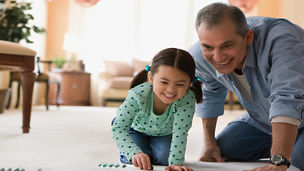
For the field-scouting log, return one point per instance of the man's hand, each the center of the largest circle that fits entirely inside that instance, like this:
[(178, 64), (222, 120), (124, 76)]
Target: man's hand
[(175, 167), (142, 161), (270, 167), (211, 153)]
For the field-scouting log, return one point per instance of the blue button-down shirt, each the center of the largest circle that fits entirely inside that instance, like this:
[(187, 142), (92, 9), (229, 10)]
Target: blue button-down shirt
[(274, 69)]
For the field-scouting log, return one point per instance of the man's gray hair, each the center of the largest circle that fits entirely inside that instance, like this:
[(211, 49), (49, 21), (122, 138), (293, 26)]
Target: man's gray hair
[(215, 13)]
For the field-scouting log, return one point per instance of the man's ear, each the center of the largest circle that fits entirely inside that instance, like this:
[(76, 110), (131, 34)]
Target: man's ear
[(249, 37), (150, 78)]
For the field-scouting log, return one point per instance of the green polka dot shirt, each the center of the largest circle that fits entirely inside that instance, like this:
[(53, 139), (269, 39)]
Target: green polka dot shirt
[(137, 112)]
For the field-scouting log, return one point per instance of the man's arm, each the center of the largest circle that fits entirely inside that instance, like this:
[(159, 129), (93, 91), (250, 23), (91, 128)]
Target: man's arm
[(211, 152), (209, 125), (283, 139)]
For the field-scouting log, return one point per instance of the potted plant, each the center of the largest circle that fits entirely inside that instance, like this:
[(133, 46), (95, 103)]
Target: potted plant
[(15, 21), (59, 62)]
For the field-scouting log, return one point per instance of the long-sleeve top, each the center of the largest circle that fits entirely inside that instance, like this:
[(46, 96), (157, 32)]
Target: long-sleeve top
[(274, 70), (137, 112)]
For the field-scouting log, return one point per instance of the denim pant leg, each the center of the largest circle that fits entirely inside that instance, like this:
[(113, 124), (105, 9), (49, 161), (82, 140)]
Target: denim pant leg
[(240, 141), (142, 141), (297, 156), (161, 149)]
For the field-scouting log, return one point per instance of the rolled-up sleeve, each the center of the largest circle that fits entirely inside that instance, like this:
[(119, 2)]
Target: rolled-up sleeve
[(286, 77), (214, 95)]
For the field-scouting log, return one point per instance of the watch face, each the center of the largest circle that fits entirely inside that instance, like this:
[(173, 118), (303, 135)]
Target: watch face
[(277, 159)]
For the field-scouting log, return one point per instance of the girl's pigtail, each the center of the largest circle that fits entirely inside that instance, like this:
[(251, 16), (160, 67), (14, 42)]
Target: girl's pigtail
[(141, 77), (196, 87)]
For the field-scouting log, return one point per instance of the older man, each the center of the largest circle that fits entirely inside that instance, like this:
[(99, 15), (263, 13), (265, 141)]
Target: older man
[(261, 60)]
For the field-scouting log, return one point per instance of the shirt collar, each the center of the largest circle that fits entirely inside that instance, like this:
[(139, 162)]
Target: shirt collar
[(250, 57)]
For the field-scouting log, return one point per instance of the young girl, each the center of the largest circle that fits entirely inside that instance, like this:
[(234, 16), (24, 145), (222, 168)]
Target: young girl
[(152, 124)]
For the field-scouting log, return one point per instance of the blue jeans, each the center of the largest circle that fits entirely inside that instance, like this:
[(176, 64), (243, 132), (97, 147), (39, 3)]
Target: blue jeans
[(156, 147), (240, 141)]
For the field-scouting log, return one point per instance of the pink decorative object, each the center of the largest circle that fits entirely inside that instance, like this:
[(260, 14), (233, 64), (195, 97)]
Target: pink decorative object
[(87, 3), (244, 5)]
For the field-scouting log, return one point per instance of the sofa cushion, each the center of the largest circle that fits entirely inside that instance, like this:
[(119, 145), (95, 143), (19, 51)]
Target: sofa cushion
[(113, 93), (120, 82), (116, 68)]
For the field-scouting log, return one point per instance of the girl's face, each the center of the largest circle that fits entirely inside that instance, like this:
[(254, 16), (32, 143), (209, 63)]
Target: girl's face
[(169, 84)]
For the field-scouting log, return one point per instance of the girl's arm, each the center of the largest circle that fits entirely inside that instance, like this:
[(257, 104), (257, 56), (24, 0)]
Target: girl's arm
[(182, 123), (120, 128)]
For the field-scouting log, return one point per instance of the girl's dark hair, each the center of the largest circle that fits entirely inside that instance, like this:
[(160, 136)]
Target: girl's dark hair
[(176, 58)]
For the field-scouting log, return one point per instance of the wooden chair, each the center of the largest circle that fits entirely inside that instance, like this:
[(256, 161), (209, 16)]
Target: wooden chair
[(14, 57), (41, 77)]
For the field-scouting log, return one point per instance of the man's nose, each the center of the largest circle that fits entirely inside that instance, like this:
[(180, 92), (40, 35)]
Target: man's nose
[(218, 55)]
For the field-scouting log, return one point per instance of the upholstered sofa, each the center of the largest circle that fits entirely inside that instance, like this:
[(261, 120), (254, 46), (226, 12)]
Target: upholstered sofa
[(116, 79)]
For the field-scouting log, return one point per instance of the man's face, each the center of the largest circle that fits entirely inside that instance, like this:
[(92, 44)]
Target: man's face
[(223, 47)]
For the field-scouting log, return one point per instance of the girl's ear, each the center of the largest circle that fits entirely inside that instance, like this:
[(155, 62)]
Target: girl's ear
[(150, 78)]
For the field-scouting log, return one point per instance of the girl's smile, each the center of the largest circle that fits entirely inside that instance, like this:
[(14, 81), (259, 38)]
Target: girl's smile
[(169, 85)]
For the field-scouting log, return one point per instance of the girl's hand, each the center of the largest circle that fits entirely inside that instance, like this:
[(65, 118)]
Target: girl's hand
[(175, 167), (142, 161)]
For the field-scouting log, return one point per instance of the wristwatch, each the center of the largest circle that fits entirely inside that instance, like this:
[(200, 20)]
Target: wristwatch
[(279, 160)]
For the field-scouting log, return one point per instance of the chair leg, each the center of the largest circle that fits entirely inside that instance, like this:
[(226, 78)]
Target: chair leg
[(47, 96), (57, 94), (18, 94), (231, 100), (9, 96), (27, 82)]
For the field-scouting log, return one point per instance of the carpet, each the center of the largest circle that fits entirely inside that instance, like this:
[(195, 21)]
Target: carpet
[(73, 138)]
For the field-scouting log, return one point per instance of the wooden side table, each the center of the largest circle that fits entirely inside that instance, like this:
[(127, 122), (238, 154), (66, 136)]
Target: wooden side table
[(74, 88)]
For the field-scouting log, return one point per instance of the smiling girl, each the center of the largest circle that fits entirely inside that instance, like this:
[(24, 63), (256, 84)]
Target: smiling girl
[(152, 124)]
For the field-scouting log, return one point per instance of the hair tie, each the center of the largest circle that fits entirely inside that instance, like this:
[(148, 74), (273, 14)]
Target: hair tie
[(196, 79), (147, 68)]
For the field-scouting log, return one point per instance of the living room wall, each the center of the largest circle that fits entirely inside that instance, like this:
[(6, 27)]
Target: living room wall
[(61, 16)]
